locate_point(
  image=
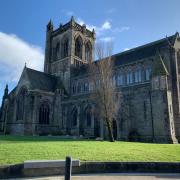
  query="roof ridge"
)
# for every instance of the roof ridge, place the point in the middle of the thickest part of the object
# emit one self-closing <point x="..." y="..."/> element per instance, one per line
<point x="40" y="72"/>
<point x="144" y="45"/>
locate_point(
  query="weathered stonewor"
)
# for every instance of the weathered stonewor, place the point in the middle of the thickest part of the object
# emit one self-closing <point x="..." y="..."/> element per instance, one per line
<point x="58" y="101"/>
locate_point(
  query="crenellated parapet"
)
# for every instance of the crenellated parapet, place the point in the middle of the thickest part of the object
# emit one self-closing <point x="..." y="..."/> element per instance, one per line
<point x="73" y="25"/>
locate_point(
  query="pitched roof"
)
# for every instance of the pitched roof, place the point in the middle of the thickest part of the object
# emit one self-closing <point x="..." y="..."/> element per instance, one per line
<point x="13" y="91"/>
<point x="135" y="54"/>
<point x="144" y="51"/>
<point x="41" y="80"/>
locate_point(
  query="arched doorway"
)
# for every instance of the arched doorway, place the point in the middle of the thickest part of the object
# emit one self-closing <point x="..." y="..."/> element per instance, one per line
<point x="74" y="117"/>
<point x="44" y="112"/>
<point x="114" y="128"/>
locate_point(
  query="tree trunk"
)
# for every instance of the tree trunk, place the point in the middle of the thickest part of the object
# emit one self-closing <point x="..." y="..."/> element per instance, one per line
<point x="111" y="137"/>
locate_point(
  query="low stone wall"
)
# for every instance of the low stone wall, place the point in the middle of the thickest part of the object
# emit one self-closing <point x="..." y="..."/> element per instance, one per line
<point x="18" y="170"/>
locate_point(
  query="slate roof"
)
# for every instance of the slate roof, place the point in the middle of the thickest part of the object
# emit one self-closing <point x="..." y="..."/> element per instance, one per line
<point x="144" y="51"/>
<point x="135" y="54"/>
<point x="41" y="80"/>
<point x="13" y="91"/>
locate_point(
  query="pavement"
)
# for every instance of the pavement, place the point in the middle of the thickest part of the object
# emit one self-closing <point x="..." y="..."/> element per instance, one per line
<point x="122" y="176"/>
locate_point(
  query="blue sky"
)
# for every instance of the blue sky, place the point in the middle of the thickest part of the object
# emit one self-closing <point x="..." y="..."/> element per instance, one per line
<point x="128" y="23"/>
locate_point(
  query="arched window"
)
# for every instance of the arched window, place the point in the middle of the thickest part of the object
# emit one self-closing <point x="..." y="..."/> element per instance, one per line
<point x="138" y="73"/>
<point x="86" y="86"/>
<point x="44" y="114"/>
<point x="88" y="115"/>
<point x="79" y="87"/>
<point x="74" y="88"/>
<point x="74" y="117"/>
<point x="91" y="86"/>
<point x="21" y="104"/>
<point x="64" y="48"/>
<point x="113" y="81"/>
<point x="147" y="73"/>
<point x="78" y="47"/>
<point x="120" y="80"/>
<point x="88" y="52"/>
<point x="57" y="51"/>
<point x="129" y="77"/>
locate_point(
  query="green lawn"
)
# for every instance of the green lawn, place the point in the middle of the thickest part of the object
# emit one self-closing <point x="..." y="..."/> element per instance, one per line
<point x="16" y="149"/>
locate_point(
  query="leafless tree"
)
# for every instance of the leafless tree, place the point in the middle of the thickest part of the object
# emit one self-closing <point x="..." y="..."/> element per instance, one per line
<point x="104" y="92"/>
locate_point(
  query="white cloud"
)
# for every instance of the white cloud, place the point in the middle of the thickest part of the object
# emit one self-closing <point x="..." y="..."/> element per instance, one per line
<point x="106" y="25"/>
<point x="88" y="26"/>
<point x="119" y="30"/>
<point x="98" y="29"/>
<point x="107" y="39"/>
<point x="126" y="49"/>
<point x="14" y="52"/>
<point x="80" y="21"/>
<point x="103" y="28"/>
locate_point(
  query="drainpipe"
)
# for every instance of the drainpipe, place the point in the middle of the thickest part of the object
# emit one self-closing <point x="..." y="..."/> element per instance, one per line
<point x="152" y="119"/>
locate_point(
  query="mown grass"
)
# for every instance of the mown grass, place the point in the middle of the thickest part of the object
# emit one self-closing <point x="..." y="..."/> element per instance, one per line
<point x="16" y="149"/>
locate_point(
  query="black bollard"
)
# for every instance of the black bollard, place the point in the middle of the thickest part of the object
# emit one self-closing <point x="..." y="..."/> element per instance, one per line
<point x="68" y="168"/>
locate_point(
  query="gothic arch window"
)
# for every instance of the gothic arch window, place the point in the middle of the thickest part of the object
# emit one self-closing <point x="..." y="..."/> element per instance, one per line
<point x="74" y="88"/>
<point x="113" y="80"/>
<point x="88" y="52"/>
<point x="57" y="51"/>
<point x="129" y="77"/>
<point x="138" y="75"/>
<point x="88" y="116"/>
<point x="44" y="112"/>
<point x="91" y="86"/>
<point x="64" y="48"/>
<point x="21" y="104"/>
<point x="86" y="86"/>
<point x="120" y="80"/>
<point x="78" y="47"/>
<point x="147" y="73"/>
<point x="74" y="117"/>
<point x="79" y="87"/>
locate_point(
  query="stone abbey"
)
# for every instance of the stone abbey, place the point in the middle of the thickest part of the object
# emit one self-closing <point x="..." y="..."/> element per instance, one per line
<point x="57" y="101"/>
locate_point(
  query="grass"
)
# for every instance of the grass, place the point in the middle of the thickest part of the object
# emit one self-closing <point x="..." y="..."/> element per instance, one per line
<point x="16" y="149"/>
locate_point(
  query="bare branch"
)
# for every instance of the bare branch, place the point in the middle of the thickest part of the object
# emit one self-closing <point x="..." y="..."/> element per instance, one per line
<point x="101" y="75"/>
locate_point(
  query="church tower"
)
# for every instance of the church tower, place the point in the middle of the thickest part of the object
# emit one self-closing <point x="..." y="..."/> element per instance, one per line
<point x="69" y="45"/>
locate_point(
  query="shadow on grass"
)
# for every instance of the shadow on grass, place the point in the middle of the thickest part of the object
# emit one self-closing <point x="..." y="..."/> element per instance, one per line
<point x="24" y="139"/>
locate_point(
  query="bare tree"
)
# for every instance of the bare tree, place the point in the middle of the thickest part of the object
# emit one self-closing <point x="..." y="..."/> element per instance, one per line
<point x="104" y="94"/>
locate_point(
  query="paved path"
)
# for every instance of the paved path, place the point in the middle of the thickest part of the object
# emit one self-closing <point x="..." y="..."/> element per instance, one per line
<point x="127" y="176"/>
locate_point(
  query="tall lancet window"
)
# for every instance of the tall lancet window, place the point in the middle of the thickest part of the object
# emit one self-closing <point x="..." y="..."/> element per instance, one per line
<point x="88" y="113"/>
<point x="64" y="48"/>
<point x="138" y="73"/>
<point x="88" y="52"/>
<point x="57" y="51"/>
<point x="44" y="112"/>
<point x="147" y="73"/>
<point x="78" y="47"/>
<point x="74" y="117"/>
<point x="21" y="104"/>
